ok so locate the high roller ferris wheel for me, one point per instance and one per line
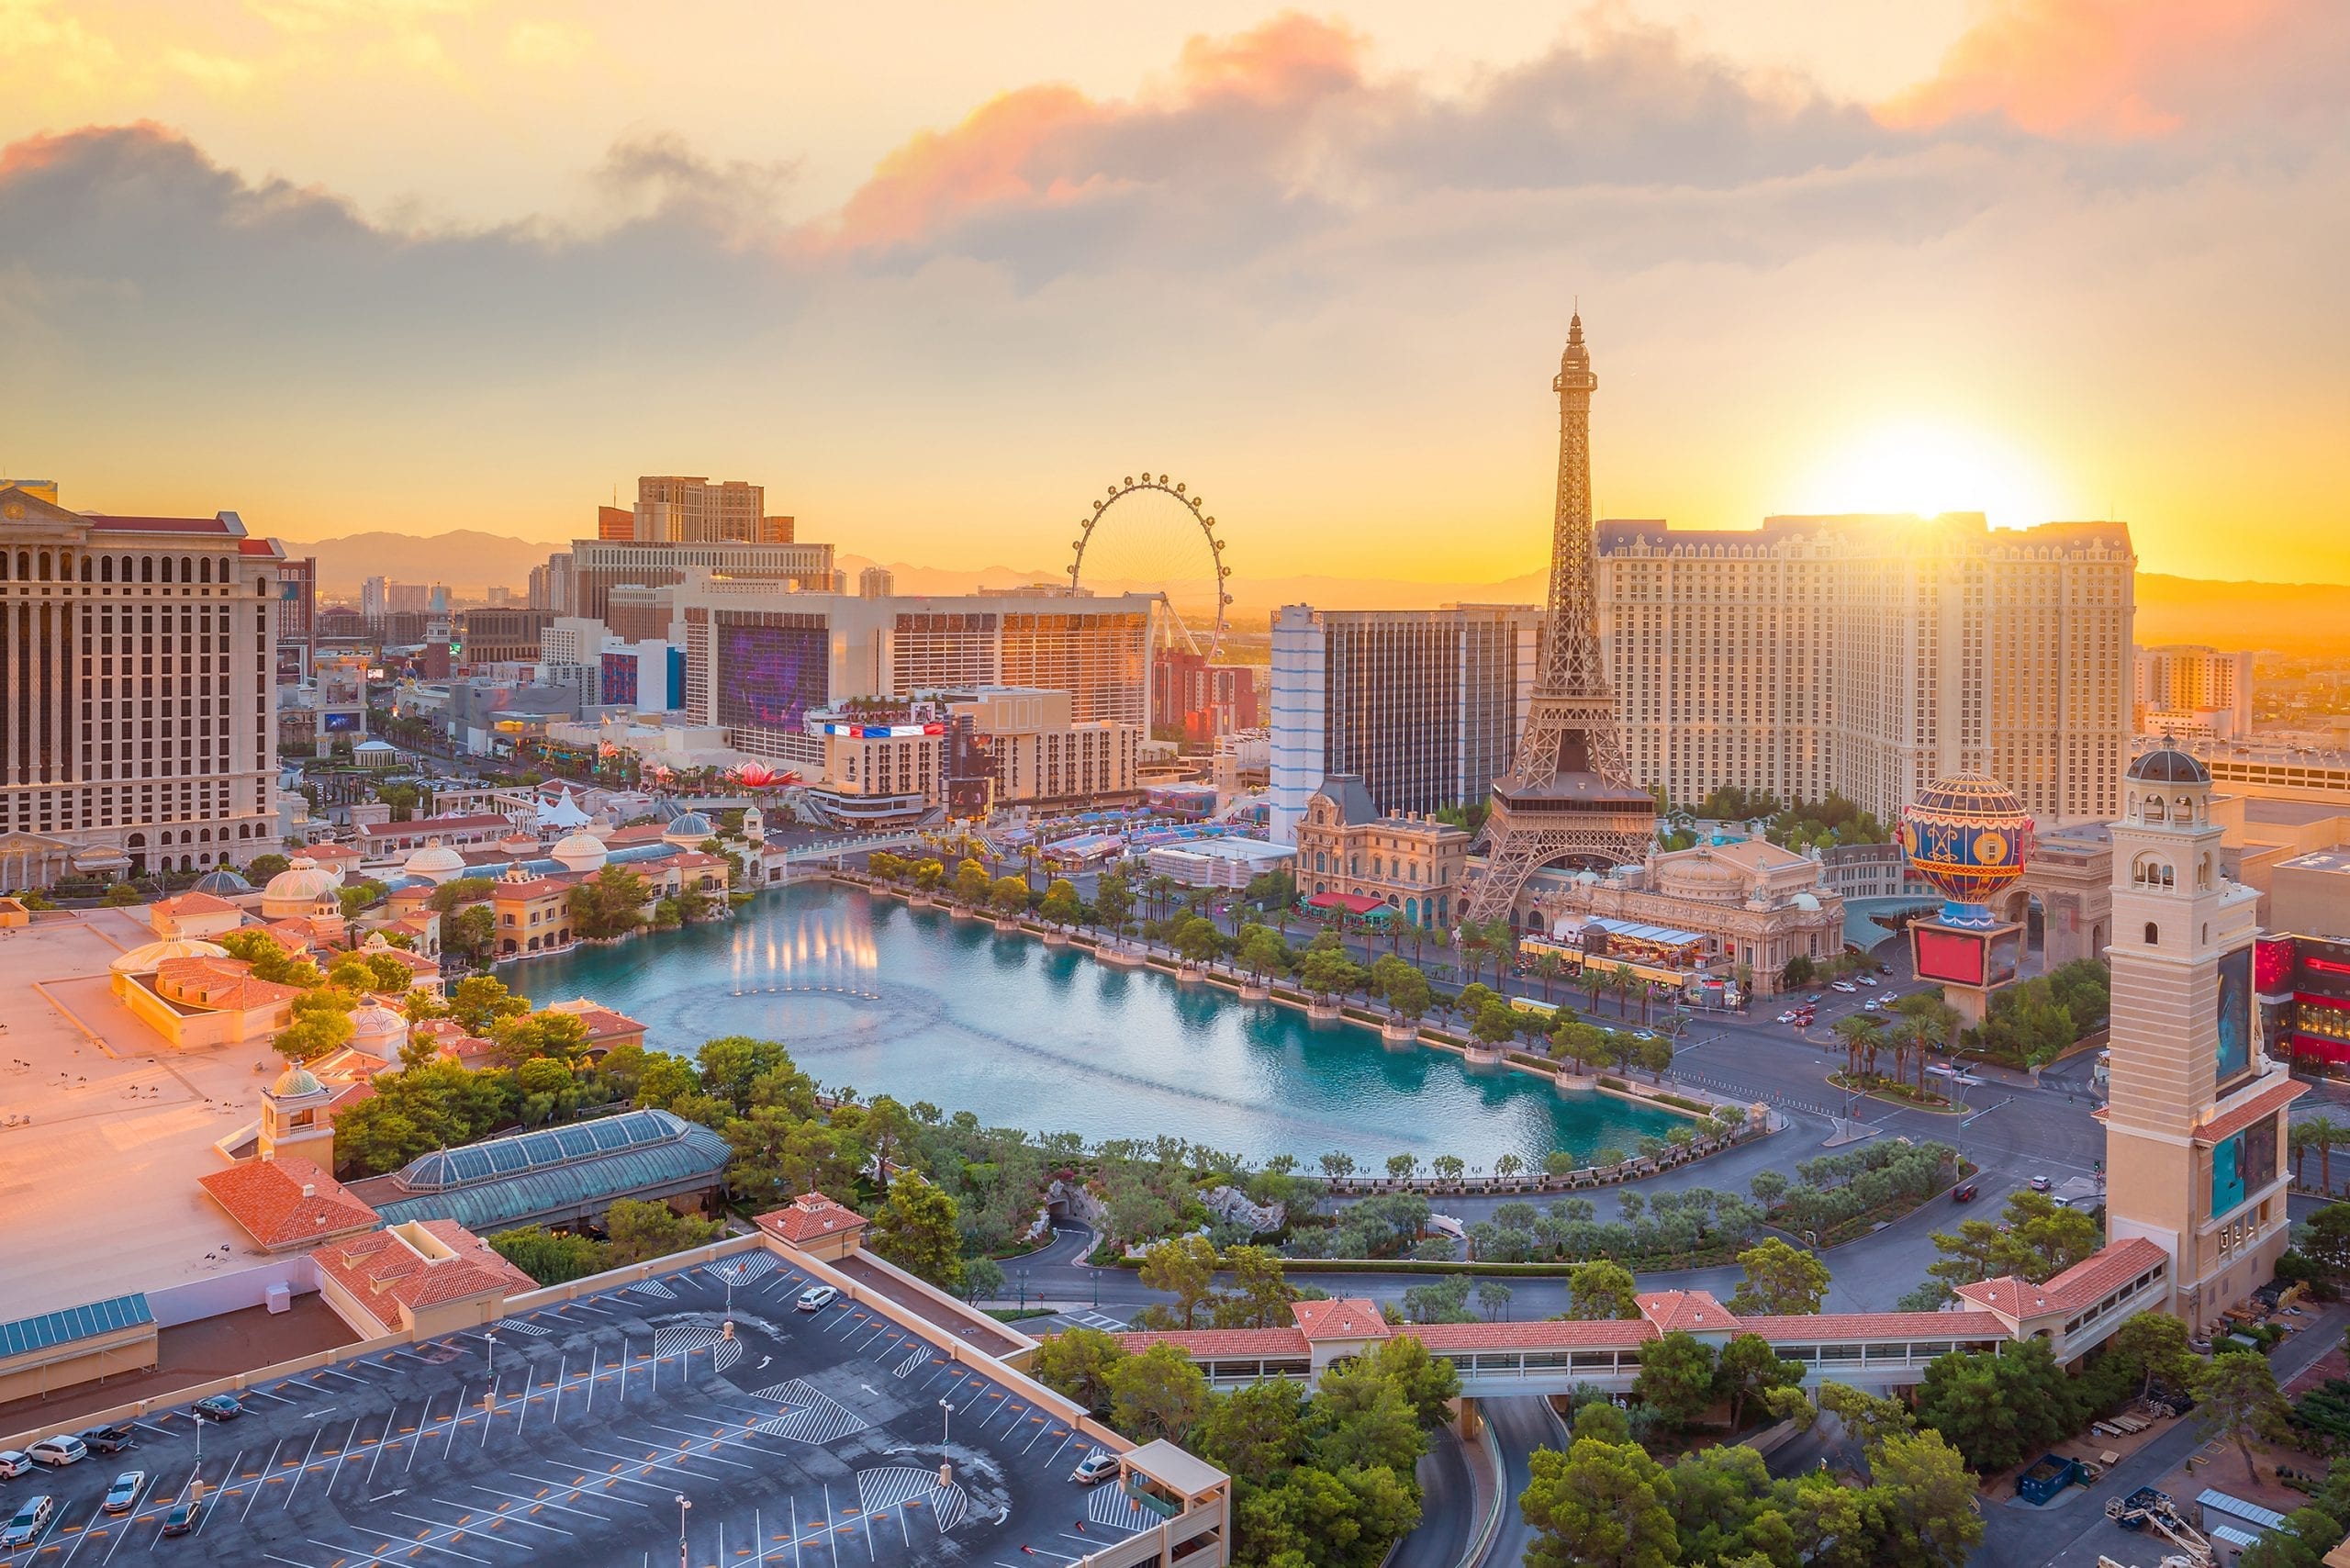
(1152, 535)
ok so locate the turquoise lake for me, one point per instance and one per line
(915, 1003)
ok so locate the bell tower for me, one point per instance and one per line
(2195, 1121)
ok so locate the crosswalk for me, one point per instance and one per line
(1109, 1505)
(685, 1338)
(653, 1288)
(522, 1325)
(744, 1268)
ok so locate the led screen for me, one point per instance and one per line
(341, 723)
(2235, 1015)
(1955, 956)
(2005, 948)
(619, 679)
(2243, 1164)
(770, 676)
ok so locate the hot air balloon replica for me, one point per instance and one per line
(1969, 838)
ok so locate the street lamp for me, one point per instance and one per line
(946, 1420)
(682, 1505)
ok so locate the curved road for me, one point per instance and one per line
(1520, 1425)
(1448, 1507)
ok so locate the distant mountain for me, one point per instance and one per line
(2287, 617)
(468, 560)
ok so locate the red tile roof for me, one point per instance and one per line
(810, 1217)
(2261, 1106)
(1691, 1312)
(158, 525)
(194, 903)
(1597, 1334)
(225, 984)
(1343, 1317)
(268, 1197)
(383, 1272)
(478, 822)
(2084, 1284)
(1223, 1343)
(536, 888)
(601, 1023)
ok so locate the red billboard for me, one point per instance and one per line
(1956, 958)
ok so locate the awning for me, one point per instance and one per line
(1347, 903)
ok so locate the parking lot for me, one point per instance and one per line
(812, 1440)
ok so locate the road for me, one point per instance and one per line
(1520, 1425)
(1448, 1507)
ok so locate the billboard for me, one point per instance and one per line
(881, 732)
(339, 724)
(768, 676)
(2235, 1010)
(2243, 1164)
(1955, 958)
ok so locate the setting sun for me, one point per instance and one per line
(1923, 466)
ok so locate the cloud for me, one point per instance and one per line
(2122, 71)
(548, 45)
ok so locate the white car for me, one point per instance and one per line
(815, 1298)
(1847, 987)
(1099, 1465)
(1871, 1005)
(25, 1527)
(1786, 1017)
(14, 1463)
(59, 1451)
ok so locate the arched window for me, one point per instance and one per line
(2153, 934)
(146, 569)
(105, 569)
(44, 565)
(2154, 808)
(204, 570)
(188, 570)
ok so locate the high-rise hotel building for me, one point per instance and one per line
(1872, 655)
(760, 657)
(137, 689)
(1423, 705)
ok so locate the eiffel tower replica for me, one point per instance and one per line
(1568, 795)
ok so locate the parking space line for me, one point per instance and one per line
(305, 1469)
(714, 1442)
(541, 1501)
(252, 1494)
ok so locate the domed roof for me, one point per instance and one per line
(2168, 765)
(686, 829)
(223, 884)
(436, 860)
(304, 880)
(295, 1081)
(377, 1019)
(146, 960)
(579, 852)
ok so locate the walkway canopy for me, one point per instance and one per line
(1359, 905)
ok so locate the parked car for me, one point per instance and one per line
(123, 1496)
(1099, 1465)
(59, 1451)
(216, 1407)
(14, 1463)
(1871, 1005)
(1786, 1017)
(29, 1521)
(1847, 987)
(2040, 1183)
(107, 1439)
(183, 1517)
(1965, 1193)
(815, 1298)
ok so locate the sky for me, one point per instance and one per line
(938, 274)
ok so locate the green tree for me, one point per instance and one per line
(1746, 1369)
(1257, 1431)
(1493, 1297)
(1676, 1378)
(550, 1258)
(2152, 1345)
(2310, 1533)
(2034, 1238)
(779, 1155)
(1599, 1505)
(1408, 992)
(1010, 896)
(972, 883)
(1927, 1499)
(2239, 1401)
(982, 1279)
(1158, 1394)
(610, 904)
(916, 1230)
(1601, 1289)
(1060, 902)
(1328, 973)
(1076, 1363)
(2000, 1408)
(641, 1232)
(1496, 1025)
(480, 1001)
(1364, 1419)
(1780, 1281)
(1114, 901)
(1261, 1295)
(1185, 1267)
(1870, 1418)
(521, 1036)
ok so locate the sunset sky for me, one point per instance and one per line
(935, 273)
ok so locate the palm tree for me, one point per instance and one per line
(1545, 964)
(2323, 1132)
(1858, 1034)
(1620, 979)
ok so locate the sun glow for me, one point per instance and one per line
(1926, 467)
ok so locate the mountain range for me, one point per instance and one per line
(2303, 618)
